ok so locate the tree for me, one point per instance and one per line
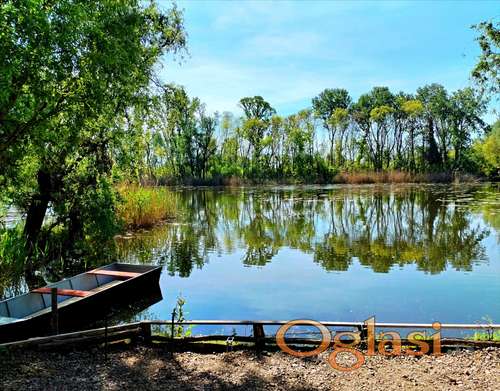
(339, 121)
(435, 100)
(372, 113)
(69, 69)
(488, 151)
(413, 110)
(378, 138)
(465, 117)
(487, 70)
(256, 107)
(324, 106)
(258, 113)
(205, 142)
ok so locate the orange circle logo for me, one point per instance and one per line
(325, 340)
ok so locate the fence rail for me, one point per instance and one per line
(464, 326)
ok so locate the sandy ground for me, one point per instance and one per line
(145, 368)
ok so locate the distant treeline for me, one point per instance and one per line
(173, 139)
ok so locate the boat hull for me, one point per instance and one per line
(88, 310)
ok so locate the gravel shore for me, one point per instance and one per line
(150, 368)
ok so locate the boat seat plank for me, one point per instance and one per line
(63, 292)
(73, 299)
(114, 273)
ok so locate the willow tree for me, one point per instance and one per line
(68, 70)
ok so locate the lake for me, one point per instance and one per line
(401, 253)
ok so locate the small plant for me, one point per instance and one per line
(178, 315)
(489, 334)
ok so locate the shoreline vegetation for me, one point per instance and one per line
(356, 177)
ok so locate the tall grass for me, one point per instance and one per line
(361, 177)
(12, 258)
(143, 207)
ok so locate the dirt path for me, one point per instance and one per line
(141, 368)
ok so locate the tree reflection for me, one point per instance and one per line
(379, 227)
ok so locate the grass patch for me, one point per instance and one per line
(143, 207)
(489, 335)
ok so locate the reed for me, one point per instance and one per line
(12, 259)
(362, 177)
(395, 176)
(143, 207)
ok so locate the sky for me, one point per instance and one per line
(288, 52)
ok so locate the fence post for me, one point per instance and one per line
(54, 323)
(146, 332)
(259, 336)
(363, 335)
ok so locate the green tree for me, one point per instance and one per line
(205, 142)
(258, 113)
(324, 106)
(435, 100)
(413, 110)
(372, 114)
(466, 110)
(487, 70)
(68, 70)
(488, 151)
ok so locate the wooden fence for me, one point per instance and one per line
(143, 330)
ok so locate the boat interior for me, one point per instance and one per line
(38, 301)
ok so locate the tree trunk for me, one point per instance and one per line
(433, 156)
(36, 213)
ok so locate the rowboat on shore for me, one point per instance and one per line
(81, 299)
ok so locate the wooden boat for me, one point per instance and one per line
(81, 299)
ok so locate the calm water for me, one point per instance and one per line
(401, 253)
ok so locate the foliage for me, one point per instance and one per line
(487, 70)
(431, 131)
(12, 249)
(487, 151)
(70, 71)
(179, 316)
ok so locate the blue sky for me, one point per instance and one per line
(288, 52)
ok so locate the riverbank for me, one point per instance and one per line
(156, 368)
(346, 177)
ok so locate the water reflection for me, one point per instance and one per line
(433, 227)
